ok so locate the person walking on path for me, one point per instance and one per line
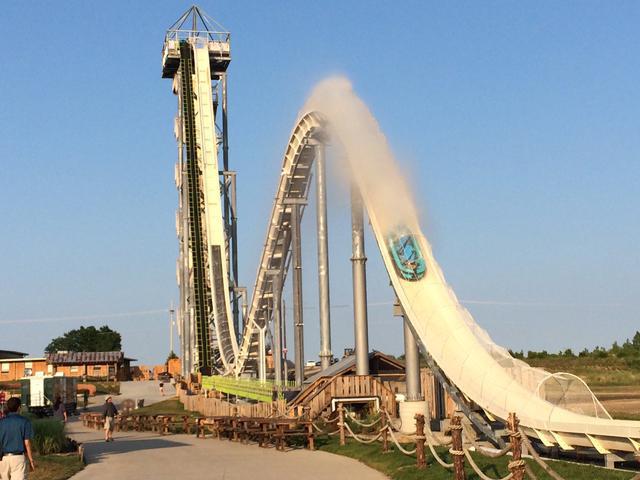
(161, 389)
(16, 433)
(60, 410)
(109, 412)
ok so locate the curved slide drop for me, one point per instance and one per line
(444, 329)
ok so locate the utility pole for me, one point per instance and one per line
(172, 312)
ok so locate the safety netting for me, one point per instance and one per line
(561, 389)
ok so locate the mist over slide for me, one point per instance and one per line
(559, 408)
(356, 134)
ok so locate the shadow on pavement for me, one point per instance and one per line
(96, 451)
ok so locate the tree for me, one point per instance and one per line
(171, 356)
(636, 340)
(87, 339)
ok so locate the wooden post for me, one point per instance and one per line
(385, 439)
(421, 462)
(234, 424)
(185, 425)
(516, 465)
(199, 428)
(343, 441)
(310, 439)
(456, 448)
(165, 426)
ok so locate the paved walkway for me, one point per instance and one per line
(146, 455)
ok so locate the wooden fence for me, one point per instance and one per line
(210, 407)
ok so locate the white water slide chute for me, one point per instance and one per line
(559, 410)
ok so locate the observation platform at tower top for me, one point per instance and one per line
(219, 55)
(198, 29)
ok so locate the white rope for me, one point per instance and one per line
(438, 458)
(320, 430)
(326, 420)
(480, 473)
(362, 440)
(395, 440)
(364, 424)
(436, 441)
(488, 453)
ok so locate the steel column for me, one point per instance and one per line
(298, 321)
(262, 357)
(276, 286)
(285, 364)
(359, 273)
(323, 260)
(412, 364)
(234, 249)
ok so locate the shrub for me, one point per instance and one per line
(49, 437)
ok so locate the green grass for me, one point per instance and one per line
(172, 406)
(608, 371)
(56, 467)
(401, 467)
(107, 388)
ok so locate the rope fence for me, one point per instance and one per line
(460, 449)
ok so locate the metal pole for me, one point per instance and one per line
(284, 341)
(262, 358)
(412, 364)
(359, 273)
(297, 294)
(230, 218)
(276, 286)
(234, 256)
(171, 312)
(323, 260)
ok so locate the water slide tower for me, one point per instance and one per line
(195, 55)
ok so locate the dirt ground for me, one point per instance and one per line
(621, 401)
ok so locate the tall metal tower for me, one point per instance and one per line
(196, 55)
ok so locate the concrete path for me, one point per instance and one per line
(146, 455)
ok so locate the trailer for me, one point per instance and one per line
(40, 392)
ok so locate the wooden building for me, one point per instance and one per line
(385, 384)
(91, 365)
(15, 368)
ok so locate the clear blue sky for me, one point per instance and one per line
(518, 123)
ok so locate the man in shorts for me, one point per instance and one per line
(16, 433)
(109, 412)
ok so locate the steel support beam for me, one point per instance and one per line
(359, 273)
(234, 253)
(298, 321)
(412, 364)
(285, 363)
(262, 357)
(276, 285)
(411, 357)
(323, 260)
(230, 207)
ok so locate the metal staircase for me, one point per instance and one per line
(201, 300)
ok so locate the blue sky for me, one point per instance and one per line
(518, 124)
